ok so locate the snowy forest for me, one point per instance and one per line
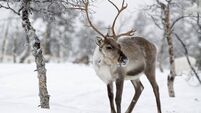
(48, 56)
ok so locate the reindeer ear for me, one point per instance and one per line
(99, 40)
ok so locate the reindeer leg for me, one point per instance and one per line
(151, 77)
(111, 96)
(138, 90)
(119, 90)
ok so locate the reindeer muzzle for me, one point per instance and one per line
(122, 58)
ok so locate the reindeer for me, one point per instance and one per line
(120, 57)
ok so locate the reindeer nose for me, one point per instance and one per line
(122, 58)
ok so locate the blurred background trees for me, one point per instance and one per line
(65, 35)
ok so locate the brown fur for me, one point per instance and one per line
(141, 55)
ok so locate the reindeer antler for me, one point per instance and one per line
(119, 11)
(129, 33)
(86, 9)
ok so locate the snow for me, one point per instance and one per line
(182, 66)
(76, 89)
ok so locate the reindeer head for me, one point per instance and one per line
(111, 50)
(108, 43)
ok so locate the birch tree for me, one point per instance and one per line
(36, 49)
(37, 53)
(169, 17)
(167, 25)
(24, 10)
(165, 14)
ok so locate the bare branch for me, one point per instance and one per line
(8, 7)
(158, 1)
(161, 4)
(154, 20)
(72, 5)
(168, 1)
(151, 7)
(86, 9)
(177, 20)
(187, 57)
(198, 20)
(42, 1)
(12, 0)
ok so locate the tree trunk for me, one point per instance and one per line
(47, 50)
(160, 55)
(198, 58)
(4, 45)
(37, 53)
(26, 52)
(14, 49)
(168, 35)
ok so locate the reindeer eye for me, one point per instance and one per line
(109, 47)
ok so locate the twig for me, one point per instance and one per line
(8, 7)
(154, 20)
(187, 57)
(198, 20)
(177, 20)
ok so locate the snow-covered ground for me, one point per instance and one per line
(76, 89)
